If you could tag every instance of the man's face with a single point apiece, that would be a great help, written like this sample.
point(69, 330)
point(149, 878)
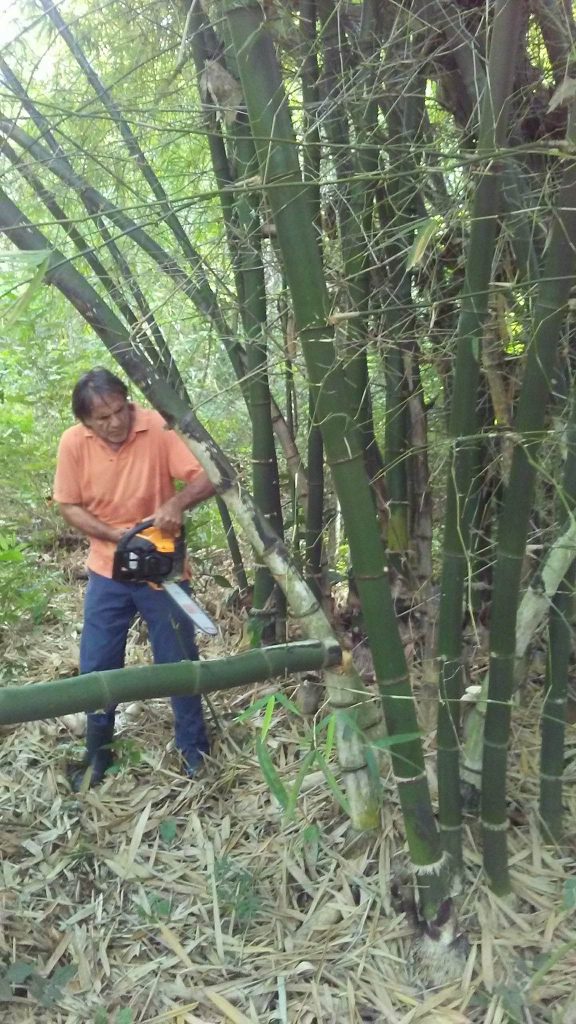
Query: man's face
point(110, 418)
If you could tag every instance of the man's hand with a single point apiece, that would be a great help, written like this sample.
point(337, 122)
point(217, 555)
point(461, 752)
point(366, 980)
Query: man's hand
point(169, 516)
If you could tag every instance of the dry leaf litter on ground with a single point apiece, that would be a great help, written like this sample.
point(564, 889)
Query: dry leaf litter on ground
point(195, 902)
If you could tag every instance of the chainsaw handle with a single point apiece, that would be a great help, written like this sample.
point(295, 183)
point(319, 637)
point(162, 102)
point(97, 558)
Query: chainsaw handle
point(144, 525)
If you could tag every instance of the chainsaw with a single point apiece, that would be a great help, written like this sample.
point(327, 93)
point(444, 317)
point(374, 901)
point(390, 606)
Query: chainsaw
point(146, 554)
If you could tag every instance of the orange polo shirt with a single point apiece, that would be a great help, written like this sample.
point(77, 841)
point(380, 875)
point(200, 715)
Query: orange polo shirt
point(121, 488)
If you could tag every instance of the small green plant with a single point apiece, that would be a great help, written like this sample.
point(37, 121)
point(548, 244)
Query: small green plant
point(152, 907)
point(236, 889)
point(20, 975)
point(127, 754)
point(320, 741)
point(168, 829)
point(20, 590)
point(123, 1016)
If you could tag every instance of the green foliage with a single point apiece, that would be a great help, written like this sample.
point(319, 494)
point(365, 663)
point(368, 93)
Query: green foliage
point(24, 588)
point(168, 829)
point(569, 900)
point(123, 1016)
point(153, 907)
point(237, 890)
point(39, 260)
point(21, 975)
point(127, 754)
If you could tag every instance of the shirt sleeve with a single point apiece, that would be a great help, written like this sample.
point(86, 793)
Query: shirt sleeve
point(183, 465)
point(67, 479)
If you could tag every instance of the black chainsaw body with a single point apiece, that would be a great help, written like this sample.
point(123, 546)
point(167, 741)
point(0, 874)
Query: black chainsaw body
point(146, 554)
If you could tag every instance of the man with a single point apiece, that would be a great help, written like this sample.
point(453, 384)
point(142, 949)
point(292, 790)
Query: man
point(115, 468)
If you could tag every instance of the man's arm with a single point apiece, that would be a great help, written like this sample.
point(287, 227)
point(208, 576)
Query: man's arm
point(80, 519)
point(169, 516)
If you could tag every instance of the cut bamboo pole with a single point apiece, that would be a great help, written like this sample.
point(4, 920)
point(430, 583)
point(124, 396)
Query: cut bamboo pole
point(96, 690)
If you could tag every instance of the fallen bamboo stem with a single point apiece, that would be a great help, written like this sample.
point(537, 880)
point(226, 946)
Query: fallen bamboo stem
point(97, 690)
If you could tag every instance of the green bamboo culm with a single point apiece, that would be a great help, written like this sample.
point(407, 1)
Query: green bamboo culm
point(265, 481)
point(315, 510)
point(507, 27)
point(557, 666)
point(355, 168)
point(311, 152)
point(530, 423)
point(398, 211)
point(97, 690)
point(287, 194)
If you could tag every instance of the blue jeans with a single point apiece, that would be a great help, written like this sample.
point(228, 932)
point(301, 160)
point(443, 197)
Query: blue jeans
point(110, 606)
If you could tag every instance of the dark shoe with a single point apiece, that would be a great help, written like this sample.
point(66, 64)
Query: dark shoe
point(98, 757)
point(190, 733)
point(193, 762)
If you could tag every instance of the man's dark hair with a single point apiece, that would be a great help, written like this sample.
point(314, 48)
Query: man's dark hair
point(97, 383)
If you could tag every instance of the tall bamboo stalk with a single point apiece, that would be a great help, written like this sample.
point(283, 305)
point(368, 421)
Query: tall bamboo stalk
point(311, 150)
point(549, 316)
point(287, 195)
point(355, 163)
point(398, 218)
point(506, 29)
point(205, 47)
point(265, 482)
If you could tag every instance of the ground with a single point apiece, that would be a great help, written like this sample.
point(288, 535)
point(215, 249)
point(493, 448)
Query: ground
point(194, 902)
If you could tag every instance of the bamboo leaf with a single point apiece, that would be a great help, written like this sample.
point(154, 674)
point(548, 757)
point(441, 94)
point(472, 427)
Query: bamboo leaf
point(251, 710)
point(294, 793)
point(330, 735)
point(124, 1016)
point(168, 830)
point(392, 741)
point(288, 704)
point(569, 896)
point(270, 705)
point(565, 92)
point(273, 780)
point(21, 304)
point(222, 581)
point(27, 260)
point(371, 764)
point(332, 783)
point(18, 972)
point(424, 236)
